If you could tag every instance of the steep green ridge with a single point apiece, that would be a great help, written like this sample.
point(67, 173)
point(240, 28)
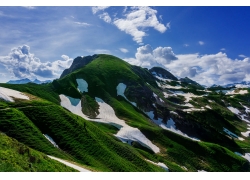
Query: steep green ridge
point(94, 146)
point(17, 157)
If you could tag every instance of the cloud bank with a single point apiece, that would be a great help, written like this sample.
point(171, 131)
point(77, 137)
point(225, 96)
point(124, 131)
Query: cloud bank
point(205, 69)
point(135, 22)
point(23, 64)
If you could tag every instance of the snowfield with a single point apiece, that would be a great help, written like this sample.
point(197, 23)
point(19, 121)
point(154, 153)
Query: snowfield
point(107, 115)
point(121, 87)
point(6, 94)
point(69, 164)
point(82, 85)
point(162, 165)
point(73, 105)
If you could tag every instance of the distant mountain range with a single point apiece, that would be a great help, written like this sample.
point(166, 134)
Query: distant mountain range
point(26, 80)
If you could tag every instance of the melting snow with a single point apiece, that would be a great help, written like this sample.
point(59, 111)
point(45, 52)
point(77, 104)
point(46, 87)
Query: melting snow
point(247, 109)
point(234, 110)
point(120, 91)
point(247, 133)
point(232, 134)
point(233, 92)
point(107, 115)
point(168, 86)
point(82, 85)
point(73, 105)
point(7, 94)
point(237, 112)
point(169, 126)
point(207, 106)
point(159, 164)
point(69, 164)
point(246, 156)
point(51, 140)
point(174, 112)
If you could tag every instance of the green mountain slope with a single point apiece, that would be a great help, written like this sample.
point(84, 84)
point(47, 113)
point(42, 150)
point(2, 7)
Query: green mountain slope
point(17, 157)
point(194, 128)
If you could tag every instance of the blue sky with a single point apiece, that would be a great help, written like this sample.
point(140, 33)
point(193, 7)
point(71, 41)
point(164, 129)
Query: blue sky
point(209, 44)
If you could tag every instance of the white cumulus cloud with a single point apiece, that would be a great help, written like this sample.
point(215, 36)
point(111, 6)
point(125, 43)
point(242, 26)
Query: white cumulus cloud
point(23, 64)
point(135, 21)
point(95, 9)
point(105, 16)
point(206, 69)
point(148, 57)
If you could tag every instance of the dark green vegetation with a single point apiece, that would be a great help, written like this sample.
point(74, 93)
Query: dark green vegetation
point(94, 145)
point(17, 157)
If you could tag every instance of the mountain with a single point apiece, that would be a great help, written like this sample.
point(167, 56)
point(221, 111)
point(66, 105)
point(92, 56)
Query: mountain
point(21, 81)
point(162, 73)
point(108, 115)
point(26, 80)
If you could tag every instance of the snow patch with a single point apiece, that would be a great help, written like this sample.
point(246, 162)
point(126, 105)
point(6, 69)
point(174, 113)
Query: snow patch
point(73, 105)
point(6, 94)
point(69, 164)
point(207, 106)
point(233, 110)
point(162, 165)
point(169, 126)
point(246, 155)
point(232, 134)
point(167, 86)
point(82, 85)
point(126, 133)
point(107, 115)
point(233, 92)
point(121, 87)
point(174, 112)
point(51, 140)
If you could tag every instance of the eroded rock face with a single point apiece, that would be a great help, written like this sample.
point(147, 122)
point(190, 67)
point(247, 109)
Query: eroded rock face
point(78, 63)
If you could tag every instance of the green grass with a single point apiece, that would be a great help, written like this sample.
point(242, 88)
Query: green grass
point(17, 157)
point(92, 147)
point(44, 91)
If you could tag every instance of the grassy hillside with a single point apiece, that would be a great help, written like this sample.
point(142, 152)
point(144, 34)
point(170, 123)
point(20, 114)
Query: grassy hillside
point(17, 157)
point(94, 145)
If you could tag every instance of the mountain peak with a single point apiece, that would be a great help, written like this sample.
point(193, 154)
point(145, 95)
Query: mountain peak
point(78, 63)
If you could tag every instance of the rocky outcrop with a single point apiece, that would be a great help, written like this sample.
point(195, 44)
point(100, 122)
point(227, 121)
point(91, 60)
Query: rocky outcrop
point(78, 63)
